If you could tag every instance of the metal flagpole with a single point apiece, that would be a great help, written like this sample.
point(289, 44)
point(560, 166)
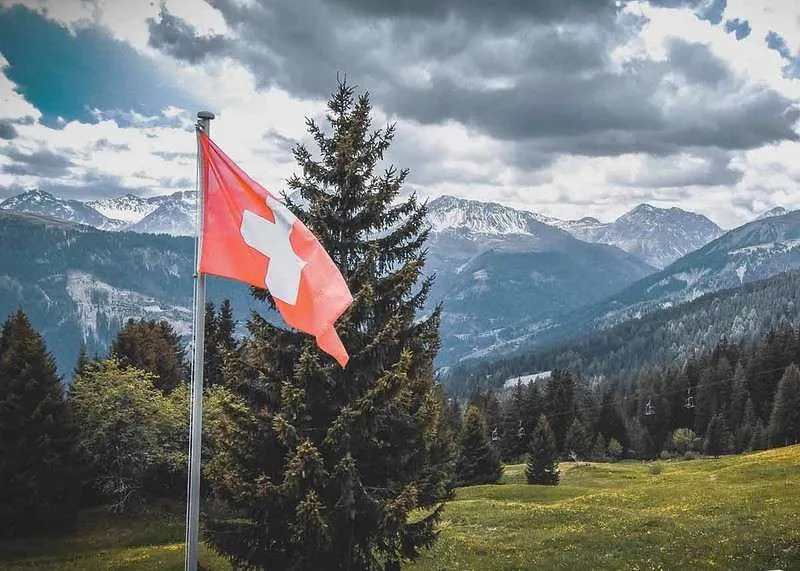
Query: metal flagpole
point(195, 436)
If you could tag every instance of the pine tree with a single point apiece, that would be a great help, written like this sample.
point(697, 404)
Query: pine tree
point(717, 438)
point(542, 466)
point(37, 435)
point(578, 440)
point(340, 457)
point(784, 422)
point(478, 462)
point(152, 346)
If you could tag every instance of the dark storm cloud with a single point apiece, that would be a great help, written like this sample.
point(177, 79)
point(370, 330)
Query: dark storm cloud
point(7, 130)
point(498, 11)
point(536, 74)
point(43, 163)
point(180, 40)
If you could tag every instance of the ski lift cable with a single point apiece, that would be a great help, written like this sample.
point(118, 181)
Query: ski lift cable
point(650, 395)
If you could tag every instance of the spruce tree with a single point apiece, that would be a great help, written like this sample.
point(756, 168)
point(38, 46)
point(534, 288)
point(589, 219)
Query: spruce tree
point(740, 396)
point(717, 438)
point(784, 422)
point(152, 346)
point(37, 435)
point(542, 466)
point(478, 461)
point(758, 441)
point(339, 458)
point(578, 440)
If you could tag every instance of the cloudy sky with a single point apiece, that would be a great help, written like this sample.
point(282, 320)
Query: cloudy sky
point(566, 107)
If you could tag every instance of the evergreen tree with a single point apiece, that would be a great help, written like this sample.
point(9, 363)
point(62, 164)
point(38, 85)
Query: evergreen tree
point(717, 439)
point(82, 362)
point(560, 404)
point(784, 422)
point(478, 461)
point(610, 422)
point(542, 466)
point(599, 448)
point(152, 346)
point(578, 440)
point(226, 327)
point(744, 434)
point(340, 457)
point(758, 441)
point(37, 435)
point(740, 396)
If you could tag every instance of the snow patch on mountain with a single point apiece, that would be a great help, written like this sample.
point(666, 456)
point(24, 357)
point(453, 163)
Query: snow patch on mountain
point(126, 208)
point(97, 302)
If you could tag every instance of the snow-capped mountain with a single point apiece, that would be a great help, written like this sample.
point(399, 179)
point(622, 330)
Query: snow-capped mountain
point(777, 211)
point(488, 218)
point(502, 273)
point(659, 236)
point(752, 252)
point(128, 207)
point(45, 204)
point(173, 215)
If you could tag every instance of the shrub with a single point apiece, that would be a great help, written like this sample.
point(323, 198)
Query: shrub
point(655, 468)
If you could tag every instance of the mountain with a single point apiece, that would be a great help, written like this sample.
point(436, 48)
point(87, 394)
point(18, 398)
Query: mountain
point(128, 208)
point(777, 211)
point(45, 204)
point(173, 214)
point(503, 274)
point(79, 284)
point(752, 252)
point(658, 236)
point(667, 337)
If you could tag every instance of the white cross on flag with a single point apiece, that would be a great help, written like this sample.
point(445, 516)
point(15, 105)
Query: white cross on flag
point(250, 236)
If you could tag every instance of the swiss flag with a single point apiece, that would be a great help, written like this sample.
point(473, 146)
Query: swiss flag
point(250, 236)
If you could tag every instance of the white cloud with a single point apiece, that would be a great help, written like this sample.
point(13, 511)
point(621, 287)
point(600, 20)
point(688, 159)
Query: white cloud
point(256, 126)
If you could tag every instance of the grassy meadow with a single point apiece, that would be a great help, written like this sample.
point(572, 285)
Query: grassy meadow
point(737, 512)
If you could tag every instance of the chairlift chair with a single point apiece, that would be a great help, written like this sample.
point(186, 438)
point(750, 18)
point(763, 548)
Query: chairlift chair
point(689, 398)
point(520, 431)
point(495, 436)
point(648, 409)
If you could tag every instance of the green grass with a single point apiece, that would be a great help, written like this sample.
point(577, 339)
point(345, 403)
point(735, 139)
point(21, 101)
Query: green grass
point(103, 541)
point(738, 512)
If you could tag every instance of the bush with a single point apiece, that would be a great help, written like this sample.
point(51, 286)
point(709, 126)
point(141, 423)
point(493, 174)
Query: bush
point(655, 468)
point(666, 455)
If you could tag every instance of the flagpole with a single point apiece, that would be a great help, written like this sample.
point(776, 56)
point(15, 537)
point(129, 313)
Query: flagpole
point(196, 432)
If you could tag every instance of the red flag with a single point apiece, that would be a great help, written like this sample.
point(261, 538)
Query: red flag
point(250, 236)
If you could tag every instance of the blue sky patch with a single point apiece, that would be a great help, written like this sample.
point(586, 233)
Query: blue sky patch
point(65, 75)
point(740, 27)
point(778, 43)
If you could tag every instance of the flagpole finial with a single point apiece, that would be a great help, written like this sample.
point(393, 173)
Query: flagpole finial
point(205, 115)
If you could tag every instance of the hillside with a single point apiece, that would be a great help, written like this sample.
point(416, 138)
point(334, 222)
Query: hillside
point(79, 284)
point(738, 512)
point(662, 337)
point(500, 271)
